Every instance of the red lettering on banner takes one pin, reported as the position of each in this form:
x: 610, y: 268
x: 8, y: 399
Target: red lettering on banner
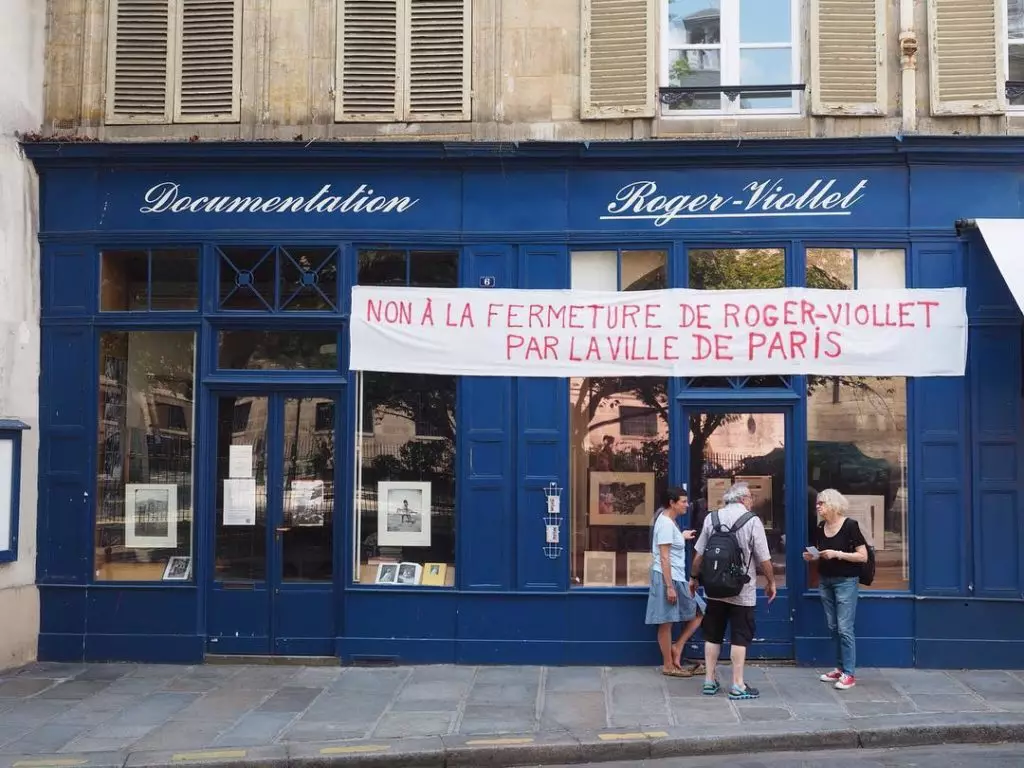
x: 650, y: 316
x: 694, y: 315
x: 904, y: 308
x: 465, y: 318
x: 833, y: 338
x: 732, y: 312
x: 928, y: 305
x: 392, y: 312
x: 510, y: 312
x: 716, y: 347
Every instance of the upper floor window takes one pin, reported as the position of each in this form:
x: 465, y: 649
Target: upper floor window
x: 173, y: 61
x: 1015, y: 52
x: 713, y: 47
x: 403, y: 60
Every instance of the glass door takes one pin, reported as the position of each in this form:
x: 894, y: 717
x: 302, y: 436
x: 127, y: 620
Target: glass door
x: 738, y: 443
x: 274, y: 496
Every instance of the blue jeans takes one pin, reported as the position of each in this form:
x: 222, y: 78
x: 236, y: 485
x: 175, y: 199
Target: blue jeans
x: 839, y: 597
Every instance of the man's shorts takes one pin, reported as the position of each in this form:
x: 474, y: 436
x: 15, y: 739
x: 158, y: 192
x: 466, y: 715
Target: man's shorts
x: 740, y: 619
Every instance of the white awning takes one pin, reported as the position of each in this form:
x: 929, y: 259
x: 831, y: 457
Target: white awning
x: 1005, y: 241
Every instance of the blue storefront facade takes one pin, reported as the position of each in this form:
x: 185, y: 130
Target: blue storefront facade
x: 196, y: 395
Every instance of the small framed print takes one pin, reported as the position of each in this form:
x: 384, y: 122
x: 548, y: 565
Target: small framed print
x: 179, y: 568
x: 387, y: 573
x: 599, y: 569
x: 403, y: 514
x: 621, y: 498
x: 638, y: 569
x: 150, y: 516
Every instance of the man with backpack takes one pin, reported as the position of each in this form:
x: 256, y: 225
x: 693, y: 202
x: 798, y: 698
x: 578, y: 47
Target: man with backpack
x: 731, y: 547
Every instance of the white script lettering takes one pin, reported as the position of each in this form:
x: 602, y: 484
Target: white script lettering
x: 763, y: 197
x: 166, y: 197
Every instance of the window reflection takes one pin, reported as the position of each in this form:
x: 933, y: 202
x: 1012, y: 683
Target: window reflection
x: 618, y: 474
x: 161, y: 279
x: 144, y: 455
x: 277, y: 350
x: 406, y: 468
x: 731, y: 447
x: 857, y: 426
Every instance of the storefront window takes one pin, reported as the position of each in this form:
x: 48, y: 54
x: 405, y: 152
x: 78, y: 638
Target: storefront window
x: 619, y: 442
x: 857, y: 426
x: 146, y: 427
x: 724, y: 269
x: 161, y: 279
x: 405, y: 449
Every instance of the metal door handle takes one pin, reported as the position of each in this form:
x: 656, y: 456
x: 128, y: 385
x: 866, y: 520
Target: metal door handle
x: 283, y: 529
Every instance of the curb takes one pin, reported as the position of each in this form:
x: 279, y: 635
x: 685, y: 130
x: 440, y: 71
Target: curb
x: 563, y: 748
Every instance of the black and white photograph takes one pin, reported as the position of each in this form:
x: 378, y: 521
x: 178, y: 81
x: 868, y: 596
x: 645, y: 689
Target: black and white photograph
x: 179, y: 568
x: 409, y: 573
x: 403, y: 514
x: 151, y: 516
x: 306, y: 503
x: 387, y: 573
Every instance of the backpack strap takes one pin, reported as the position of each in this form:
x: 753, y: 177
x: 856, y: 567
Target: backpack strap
x: 716, y: 524
x: 741, y: 522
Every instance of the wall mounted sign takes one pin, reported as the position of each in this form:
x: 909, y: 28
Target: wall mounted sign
x: 678, y: 332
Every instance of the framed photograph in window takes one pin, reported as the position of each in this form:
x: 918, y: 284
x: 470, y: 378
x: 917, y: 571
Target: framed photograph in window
x: 621, y: 498
x: 599, y: 569
x: 179, y: 568
x: 150, y: 516
x: 403, y: 514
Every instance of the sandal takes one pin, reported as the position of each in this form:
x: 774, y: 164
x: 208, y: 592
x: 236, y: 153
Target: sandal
x: 711, y: 688
x: 698, y: 668
x: 676, y: 672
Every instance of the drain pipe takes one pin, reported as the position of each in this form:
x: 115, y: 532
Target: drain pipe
x: 908, y: 66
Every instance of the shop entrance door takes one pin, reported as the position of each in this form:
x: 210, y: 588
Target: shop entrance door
x: 274, y: 501
x: 739, y: 442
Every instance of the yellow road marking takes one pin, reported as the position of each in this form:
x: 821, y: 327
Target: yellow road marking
x: 49, y: 763
x: 354, y: 749
x: 632, y: 736
x: 495, y: 742
x: 211, y: 755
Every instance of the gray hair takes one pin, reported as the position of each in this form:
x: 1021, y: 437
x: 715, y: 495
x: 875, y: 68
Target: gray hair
x: 834, y: 500
x: 736, y: 494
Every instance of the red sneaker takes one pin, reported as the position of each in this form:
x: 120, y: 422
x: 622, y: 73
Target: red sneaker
x: 832, y: 677
x: 846, y: 682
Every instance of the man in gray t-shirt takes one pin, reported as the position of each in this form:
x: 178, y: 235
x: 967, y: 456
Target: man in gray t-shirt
x: 736, y: 612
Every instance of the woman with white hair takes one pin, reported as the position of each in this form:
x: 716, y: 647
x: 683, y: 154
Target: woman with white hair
x: 843, y: 551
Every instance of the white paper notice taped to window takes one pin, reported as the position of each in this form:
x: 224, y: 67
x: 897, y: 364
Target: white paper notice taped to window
x: 240, y: 501
x: 240, y: 461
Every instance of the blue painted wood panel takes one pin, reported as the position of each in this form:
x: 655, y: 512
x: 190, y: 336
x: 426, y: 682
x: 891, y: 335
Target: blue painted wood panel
x: 938, y: 424
x: 69, y: 279
x: 542, y: 446
x: 67, y: 454
x: 995, y: 381
x: 486, y: 509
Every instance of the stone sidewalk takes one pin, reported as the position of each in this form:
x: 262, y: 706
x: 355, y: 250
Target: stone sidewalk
x: 112, y: 714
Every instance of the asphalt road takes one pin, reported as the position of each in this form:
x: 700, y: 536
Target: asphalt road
x: 948, y: 756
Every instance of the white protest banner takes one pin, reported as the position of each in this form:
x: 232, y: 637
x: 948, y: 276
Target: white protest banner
x: 676, y: 332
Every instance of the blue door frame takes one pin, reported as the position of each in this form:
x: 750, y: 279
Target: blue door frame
x: 775, y: 622
x: 272, y: 616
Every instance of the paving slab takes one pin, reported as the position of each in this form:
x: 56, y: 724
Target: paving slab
x: 433, y: 714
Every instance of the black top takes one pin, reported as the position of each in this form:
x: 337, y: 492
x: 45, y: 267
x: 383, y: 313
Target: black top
x: 847, y: 539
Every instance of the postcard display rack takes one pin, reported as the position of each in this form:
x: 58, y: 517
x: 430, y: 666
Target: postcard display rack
x: 552, y: 521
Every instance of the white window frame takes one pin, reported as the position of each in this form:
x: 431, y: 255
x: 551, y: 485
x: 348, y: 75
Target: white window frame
x: 1004, y: 8
x: 729, y: 51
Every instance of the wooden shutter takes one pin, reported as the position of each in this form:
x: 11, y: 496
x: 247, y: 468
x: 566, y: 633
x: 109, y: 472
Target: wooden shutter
x: 618, y: 72
x: 208, y: 57
x: 438, y: 67
x: 138, y: 61
x: 967, y: 71
x: 848, y: 57
x: 369, y: 72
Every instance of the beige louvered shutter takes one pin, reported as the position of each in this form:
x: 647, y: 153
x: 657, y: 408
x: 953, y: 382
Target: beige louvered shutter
x: 618, y: 73
x: 369, y: 78
x: 139, y: 62
x: 438, y: 56
x: 967, y: 71
x: 848, y: 57
x: 207, y: 58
